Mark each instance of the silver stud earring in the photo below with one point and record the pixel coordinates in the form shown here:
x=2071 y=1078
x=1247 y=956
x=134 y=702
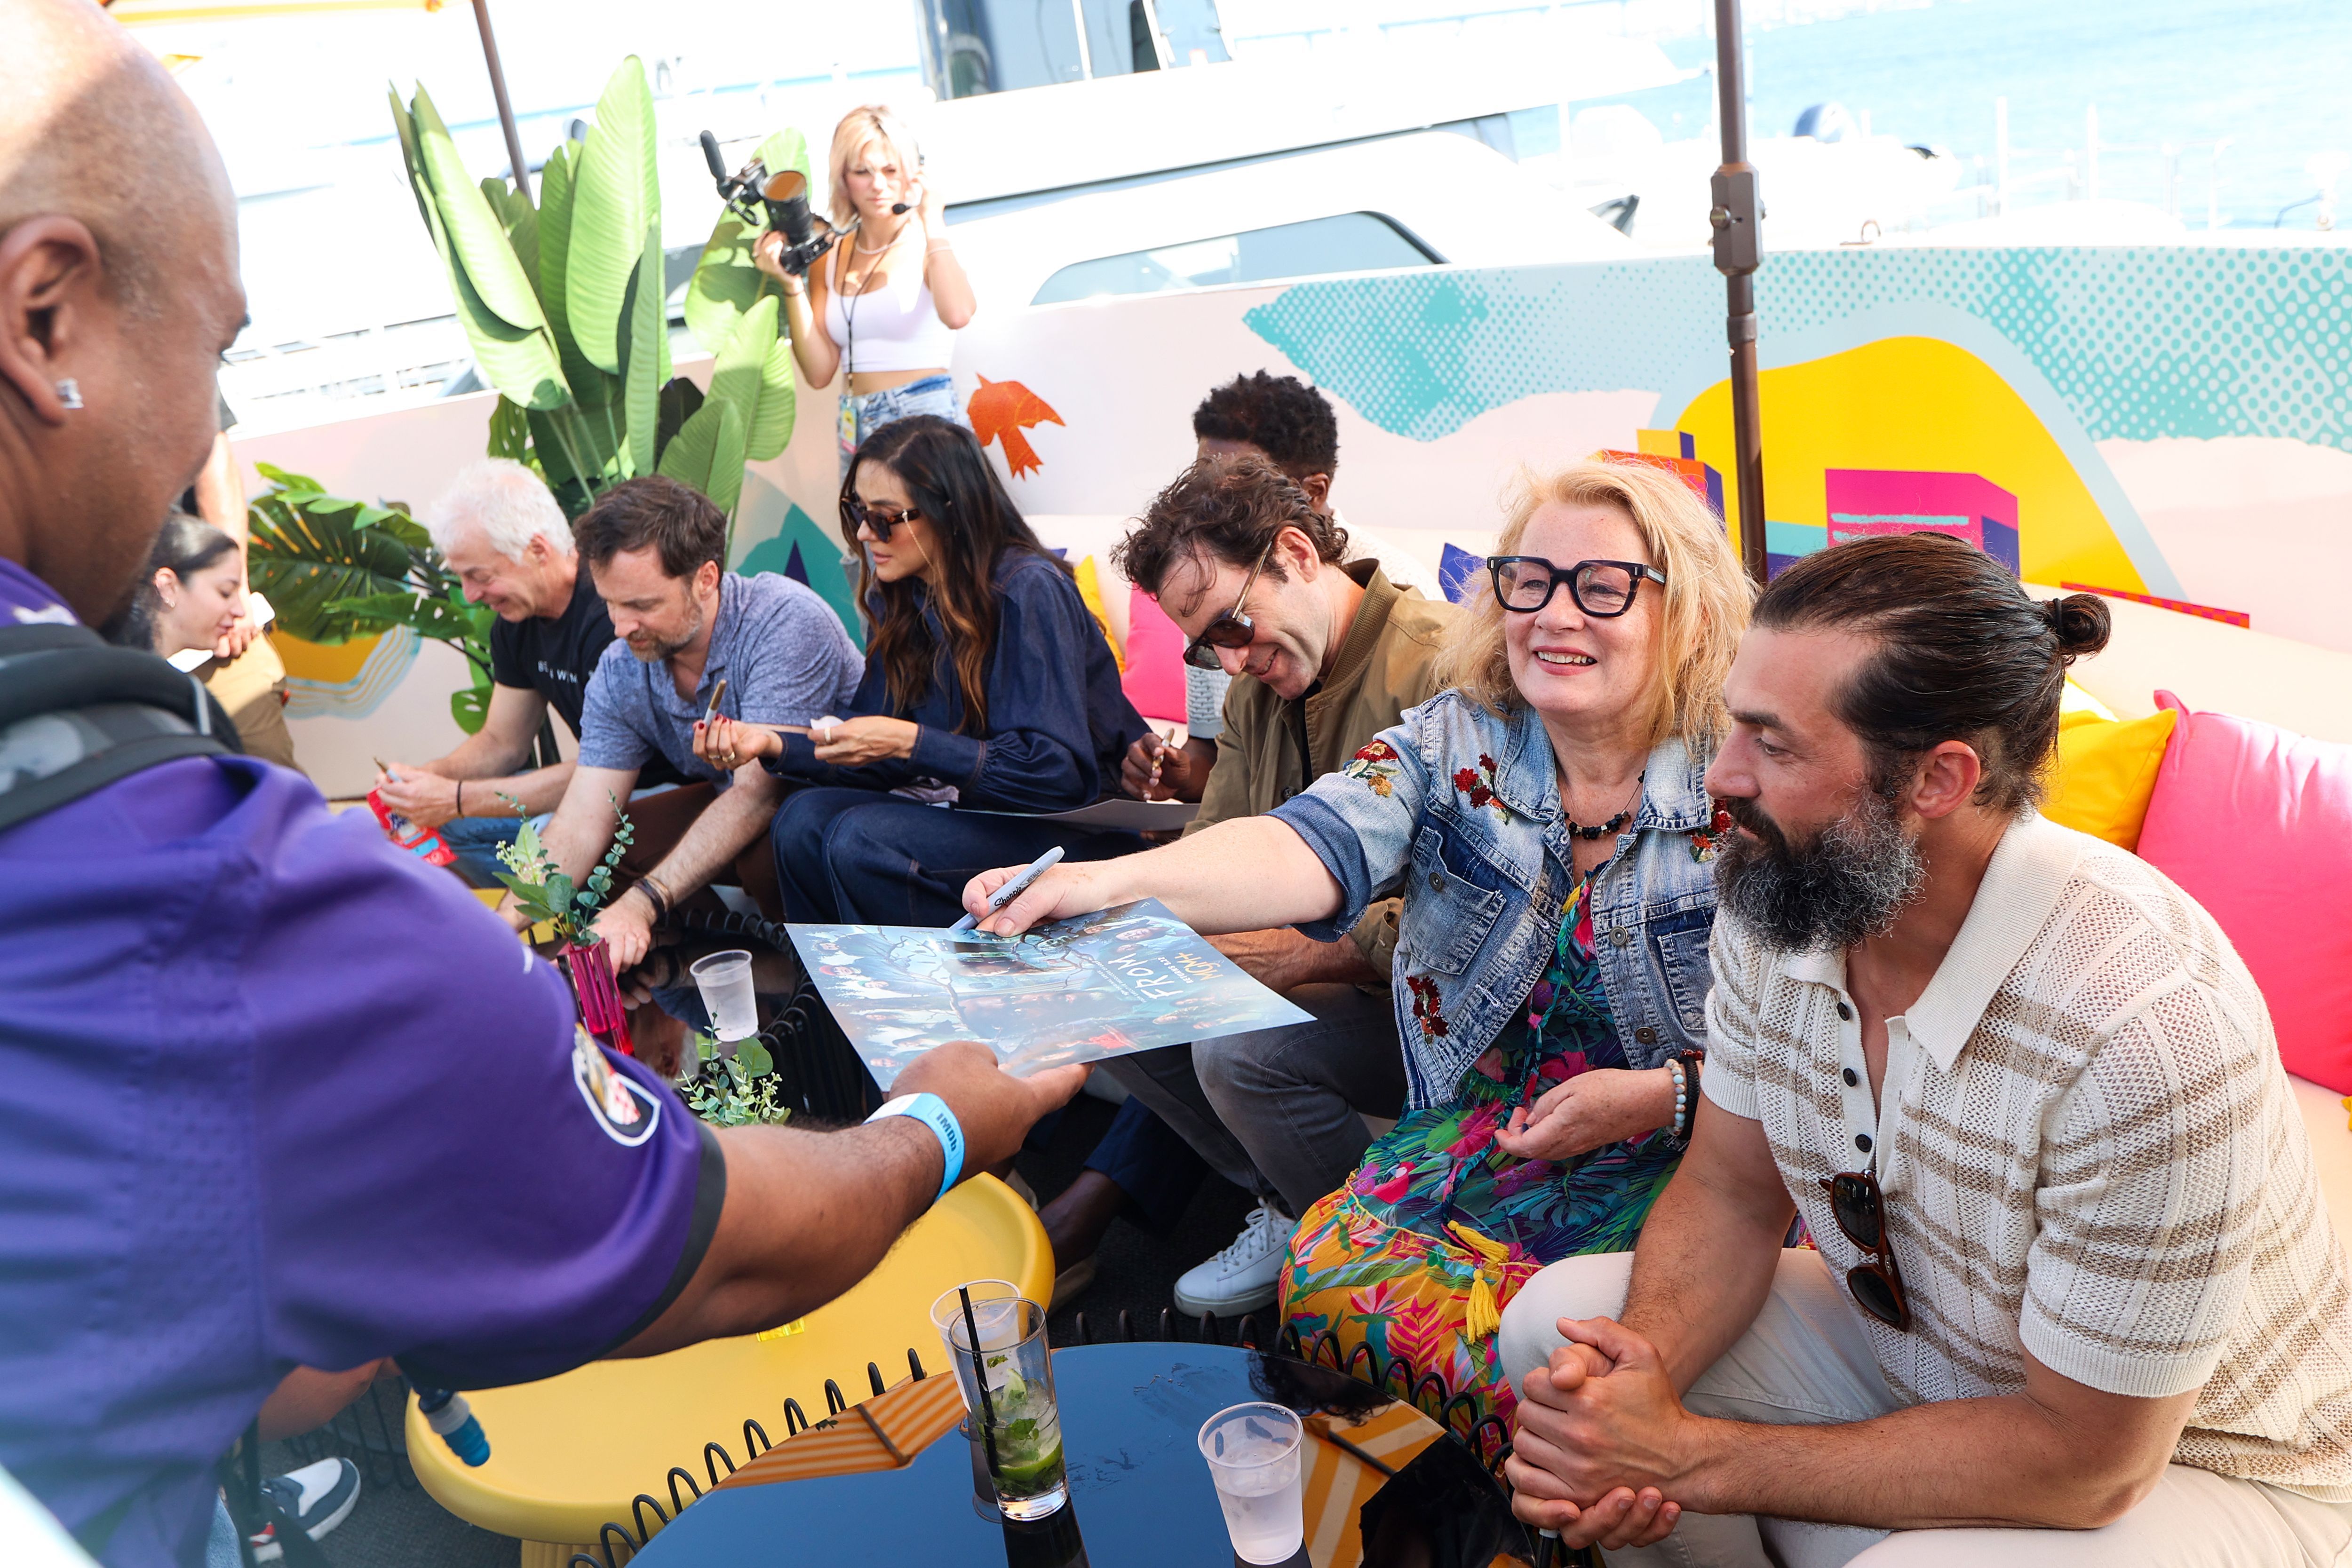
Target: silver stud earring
x=70 y=392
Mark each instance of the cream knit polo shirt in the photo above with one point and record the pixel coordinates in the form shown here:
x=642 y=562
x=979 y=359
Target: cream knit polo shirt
x=2088 y=1149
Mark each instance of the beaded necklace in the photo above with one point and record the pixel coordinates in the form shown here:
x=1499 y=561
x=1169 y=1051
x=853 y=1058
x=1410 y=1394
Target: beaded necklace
x=1614 y=824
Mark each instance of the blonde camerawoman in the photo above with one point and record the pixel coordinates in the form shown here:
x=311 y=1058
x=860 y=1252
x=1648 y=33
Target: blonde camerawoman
x=1546 y=825
x=885 y=304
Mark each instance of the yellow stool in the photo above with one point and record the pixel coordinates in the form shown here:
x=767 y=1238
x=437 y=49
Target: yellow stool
x=570 y=1452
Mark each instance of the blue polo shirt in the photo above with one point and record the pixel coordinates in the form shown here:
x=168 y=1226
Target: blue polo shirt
x=274 y=1094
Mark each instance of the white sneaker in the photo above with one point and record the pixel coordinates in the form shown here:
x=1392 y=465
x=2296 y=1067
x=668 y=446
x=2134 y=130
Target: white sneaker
x=1242 y=1276
x=317 y=1498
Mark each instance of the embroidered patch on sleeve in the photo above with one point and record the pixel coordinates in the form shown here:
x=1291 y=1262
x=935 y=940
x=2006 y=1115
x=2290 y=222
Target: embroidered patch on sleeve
x=1375 y=768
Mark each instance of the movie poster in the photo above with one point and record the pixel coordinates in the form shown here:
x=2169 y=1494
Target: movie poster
x=1118 y=980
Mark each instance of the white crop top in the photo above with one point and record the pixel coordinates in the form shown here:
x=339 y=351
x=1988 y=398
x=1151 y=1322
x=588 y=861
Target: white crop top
x=895 y=328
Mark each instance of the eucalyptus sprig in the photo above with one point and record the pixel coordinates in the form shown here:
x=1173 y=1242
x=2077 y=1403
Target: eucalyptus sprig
x=542 y=890
x=736 y=1090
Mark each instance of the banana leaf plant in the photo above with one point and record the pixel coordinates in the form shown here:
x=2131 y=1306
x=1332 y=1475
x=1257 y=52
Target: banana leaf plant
x=335 y=569
x=565 y=306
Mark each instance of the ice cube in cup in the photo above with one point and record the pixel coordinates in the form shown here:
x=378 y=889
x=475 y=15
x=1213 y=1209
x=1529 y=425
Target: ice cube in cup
x=1253 y=1459
x=725 y=981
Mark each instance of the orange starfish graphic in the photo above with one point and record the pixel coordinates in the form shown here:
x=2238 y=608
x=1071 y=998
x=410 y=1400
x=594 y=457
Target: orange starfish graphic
x=999 y=411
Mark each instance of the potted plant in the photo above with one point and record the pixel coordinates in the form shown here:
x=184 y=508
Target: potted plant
x=550 y=897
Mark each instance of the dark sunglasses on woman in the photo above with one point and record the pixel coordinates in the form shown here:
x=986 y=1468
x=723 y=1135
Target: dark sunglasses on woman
x=1860 y=1211
x=880 y=516
x=1232 y=628
x=1603 y=590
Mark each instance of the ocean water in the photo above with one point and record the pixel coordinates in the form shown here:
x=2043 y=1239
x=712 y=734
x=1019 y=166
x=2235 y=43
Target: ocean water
x=2273 y=76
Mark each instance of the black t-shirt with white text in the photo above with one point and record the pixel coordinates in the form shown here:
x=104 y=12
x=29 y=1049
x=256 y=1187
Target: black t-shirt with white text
x=554 y=655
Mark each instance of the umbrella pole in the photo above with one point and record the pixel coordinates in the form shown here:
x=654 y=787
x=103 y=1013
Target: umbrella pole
x=1737 y=252
x=499 y=89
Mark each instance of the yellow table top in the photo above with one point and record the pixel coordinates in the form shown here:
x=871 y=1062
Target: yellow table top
x=569 y=1452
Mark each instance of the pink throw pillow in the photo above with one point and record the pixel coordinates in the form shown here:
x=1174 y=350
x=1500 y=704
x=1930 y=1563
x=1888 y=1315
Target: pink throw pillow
x=2255 y=823
x=1154 y=681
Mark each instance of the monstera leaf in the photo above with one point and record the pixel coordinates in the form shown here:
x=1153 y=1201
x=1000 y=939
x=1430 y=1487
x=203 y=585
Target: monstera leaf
x=313 y=554
x=615 y=200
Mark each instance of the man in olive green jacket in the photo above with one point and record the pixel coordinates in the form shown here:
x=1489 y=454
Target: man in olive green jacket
x=1326 y=655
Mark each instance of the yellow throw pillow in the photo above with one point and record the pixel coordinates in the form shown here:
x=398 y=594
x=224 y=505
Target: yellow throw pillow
x=1091 y=589
x=2105 y=772
x=2076 y=706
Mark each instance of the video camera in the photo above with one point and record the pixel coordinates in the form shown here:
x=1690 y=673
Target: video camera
x=784 y=195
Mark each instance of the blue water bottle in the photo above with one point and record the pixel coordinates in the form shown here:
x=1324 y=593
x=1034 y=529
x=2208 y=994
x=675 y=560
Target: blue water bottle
x=446 y=1412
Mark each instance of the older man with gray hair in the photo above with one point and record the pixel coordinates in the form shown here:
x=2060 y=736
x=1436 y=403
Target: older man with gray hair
x=511 y=546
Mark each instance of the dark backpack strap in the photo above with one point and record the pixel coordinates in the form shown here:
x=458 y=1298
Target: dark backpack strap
x=76 y=714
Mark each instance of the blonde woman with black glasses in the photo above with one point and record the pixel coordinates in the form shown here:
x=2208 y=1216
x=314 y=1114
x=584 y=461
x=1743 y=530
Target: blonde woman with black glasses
x=884 y=304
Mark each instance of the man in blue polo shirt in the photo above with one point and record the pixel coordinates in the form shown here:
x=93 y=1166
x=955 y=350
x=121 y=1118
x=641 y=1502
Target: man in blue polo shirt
x=272 y=1094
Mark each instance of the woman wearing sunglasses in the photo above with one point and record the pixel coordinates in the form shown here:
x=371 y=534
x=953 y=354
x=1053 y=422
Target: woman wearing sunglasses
x=988 y=685
x=1546 y=823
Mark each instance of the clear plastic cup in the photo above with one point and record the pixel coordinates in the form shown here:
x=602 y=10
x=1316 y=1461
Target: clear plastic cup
x=991 y=1309
x=725 y=981
x=1017 y=1428
x=1252 y=1454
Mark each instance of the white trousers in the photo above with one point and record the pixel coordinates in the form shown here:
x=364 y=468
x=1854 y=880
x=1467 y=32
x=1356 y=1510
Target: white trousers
x=1807 y=1359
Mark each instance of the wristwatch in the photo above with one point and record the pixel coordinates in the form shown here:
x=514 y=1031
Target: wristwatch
x=932 y=1111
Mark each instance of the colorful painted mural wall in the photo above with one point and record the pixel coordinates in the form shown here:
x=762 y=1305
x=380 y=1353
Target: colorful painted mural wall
x=2171 y=423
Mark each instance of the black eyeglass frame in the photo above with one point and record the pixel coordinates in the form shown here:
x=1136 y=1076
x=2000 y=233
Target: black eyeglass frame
x=1229 y=628
x=857 y=514
x=1568 y=575
x=1861 y=1191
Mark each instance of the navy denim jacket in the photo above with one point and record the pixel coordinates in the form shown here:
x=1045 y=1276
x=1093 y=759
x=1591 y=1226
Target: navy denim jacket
x=1058 y=722
x=1460 y=810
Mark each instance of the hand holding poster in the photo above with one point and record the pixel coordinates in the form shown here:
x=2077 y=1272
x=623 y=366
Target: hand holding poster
x=1123 y=979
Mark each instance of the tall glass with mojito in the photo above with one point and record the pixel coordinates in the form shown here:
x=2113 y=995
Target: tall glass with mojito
x=1016 y=1426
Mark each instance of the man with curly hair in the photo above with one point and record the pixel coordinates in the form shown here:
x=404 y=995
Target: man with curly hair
x=1336 y=653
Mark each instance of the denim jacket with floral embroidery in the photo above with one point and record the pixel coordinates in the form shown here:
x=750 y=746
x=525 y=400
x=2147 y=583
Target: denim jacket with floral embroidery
x=1459 y=810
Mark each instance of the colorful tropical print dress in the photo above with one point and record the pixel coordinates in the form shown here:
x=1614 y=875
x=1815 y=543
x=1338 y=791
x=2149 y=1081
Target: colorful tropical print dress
x=1439 y=1227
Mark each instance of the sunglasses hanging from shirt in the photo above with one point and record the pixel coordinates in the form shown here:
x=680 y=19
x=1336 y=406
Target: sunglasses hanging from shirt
x=1860 y=1211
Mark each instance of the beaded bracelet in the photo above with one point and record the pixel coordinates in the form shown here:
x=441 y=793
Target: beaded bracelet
x=1682 y=1097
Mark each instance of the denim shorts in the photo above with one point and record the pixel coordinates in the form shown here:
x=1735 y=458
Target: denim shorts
x=862 y=416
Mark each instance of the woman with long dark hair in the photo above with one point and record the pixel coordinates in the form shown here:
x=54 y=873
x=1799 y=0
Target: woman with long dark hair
x=192 y=597
x=988 y=686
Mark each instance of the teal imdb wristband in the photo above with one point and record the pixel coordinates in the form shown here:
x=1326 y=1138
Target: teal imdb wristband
x=932 y=1111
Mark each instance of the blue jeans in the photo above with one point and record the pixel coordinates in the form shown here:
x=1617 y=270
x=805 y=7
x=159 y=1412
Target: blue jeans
x=476 y=842
x=861 y=857
x=862 y=416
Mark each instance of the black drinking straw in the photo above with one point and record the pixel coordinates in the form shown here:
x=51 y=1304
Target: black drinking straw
x=980 y=1376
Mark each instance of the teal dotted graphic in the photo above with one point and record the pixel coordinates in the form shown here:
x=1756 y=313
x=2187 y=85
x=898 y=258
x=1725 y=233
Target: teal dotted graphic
x=2139 y=342
x=1422 y=354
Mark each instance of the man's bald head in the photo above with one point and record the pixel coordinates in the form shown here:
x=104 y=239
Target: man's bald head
x=93 y=125
x=118 y=272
